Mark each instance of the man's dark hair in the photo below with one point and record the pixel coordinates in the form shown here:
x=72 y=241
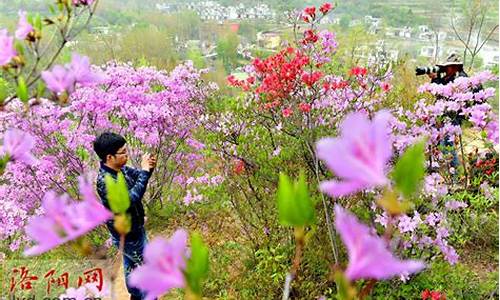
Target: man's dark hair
x=108 y=143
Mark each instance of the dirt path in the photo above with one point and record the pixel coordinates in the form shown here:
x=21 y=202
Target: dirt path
x=120 y=289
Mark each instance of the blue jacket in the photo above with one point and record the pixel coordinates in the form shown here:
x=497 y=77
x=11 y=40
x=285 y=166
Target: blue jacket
x=137 y=181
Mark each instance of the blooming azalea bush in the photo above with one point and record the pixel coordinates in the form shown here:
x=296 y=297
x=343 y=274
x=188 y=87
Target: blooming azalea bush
x=158 y=115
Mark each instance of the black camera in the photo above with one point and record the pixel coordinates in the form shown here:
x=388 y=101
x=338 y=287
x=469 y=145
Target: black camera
x=427 y=70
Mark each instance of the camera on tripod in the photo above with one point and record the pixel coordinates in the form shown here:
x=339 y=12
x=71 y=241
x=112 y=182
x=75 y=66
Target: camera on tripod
x=427 y=70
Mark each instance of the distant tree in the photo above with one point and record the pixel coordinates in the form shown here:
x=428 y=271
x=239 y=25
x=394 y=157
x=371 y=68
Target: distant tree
x=226 y=49
x=436 y=26
x=472 y=29
x=344 y=22
x=248 y=30
x=194 y=54
x=151 y=43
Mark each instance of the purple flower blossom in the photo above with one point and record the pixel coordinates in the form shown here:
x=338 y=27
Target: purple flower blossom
x=382 y=219
x=455 y=205
x=64 y=219
x=487 y=190
x=448 y=251
x=15 y=245
x=192 y=197
x=478 y=115
x=442 y=232
x=328 y=41
x=434 y=186
x=424 y=242
x=276 y=151
x=492 y=131
x=82 y=72
x=18 y=144
x=7 y=50
x=407 y=224
x=369 y=257
x=359 y=156
x=433 y=218
x=23 y=27
x=59 y=79
x=164 y=263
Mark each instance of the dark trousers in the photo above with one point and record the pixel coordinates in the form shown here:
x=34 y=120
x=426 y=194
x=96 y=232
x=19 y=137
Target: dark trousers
x=449 y=148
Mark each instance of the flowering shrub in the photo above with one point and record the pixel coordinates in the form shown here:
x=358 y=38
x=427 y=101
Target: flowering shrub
x=152 y=109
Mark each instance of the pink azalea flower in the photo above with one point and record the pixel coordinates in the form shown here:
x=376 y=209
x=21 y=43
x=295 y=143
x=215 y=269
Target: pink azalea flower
x=80 y=68
x=163 y=267
x=59 y=79
x=7 y=50
x=85 y=292
x=287 y=112
x=18 y=144
x=369 y=257
x=23 y=27
x=358 y=156
x=455 y=205
x=492 y=131
x=64 y=219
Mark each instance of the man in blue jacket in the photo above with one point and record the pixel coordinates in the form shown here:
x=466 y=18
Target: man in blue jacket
x=110 y=147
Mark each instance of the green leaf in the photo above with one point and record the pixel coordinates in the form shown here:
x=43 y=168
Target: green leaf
x=4 y=90
x=19 y=47
x=22 y=89
x=409 y=170
x=38 y=22
x=295 y=207
x=82 y=153
x=3 y=163
x=198 y=264
x=40 y=89
x=29 y=18
x=52 y=9
x=118 y=197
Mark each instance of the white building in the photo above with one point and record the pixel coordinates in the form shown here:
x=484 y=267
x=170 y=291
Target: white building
x=490 y=56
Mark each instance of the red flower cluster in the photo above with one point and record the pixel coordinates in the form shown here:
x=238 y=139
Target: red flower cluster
x=287 y=112
x=279 y=73
x=358 y=71
x=310 y=37
x=325 y=8
x=239 y=167
x=433 y=295
x=244 y=84
x=336 y=85
x=305 y=107
x=311 y=78
x=488 y=166
x=310 y=11
x=385 y=86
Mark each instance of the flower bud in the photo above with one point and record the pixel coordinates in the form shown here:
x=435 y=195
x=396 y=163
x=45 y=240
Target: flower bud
x=122 y=224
